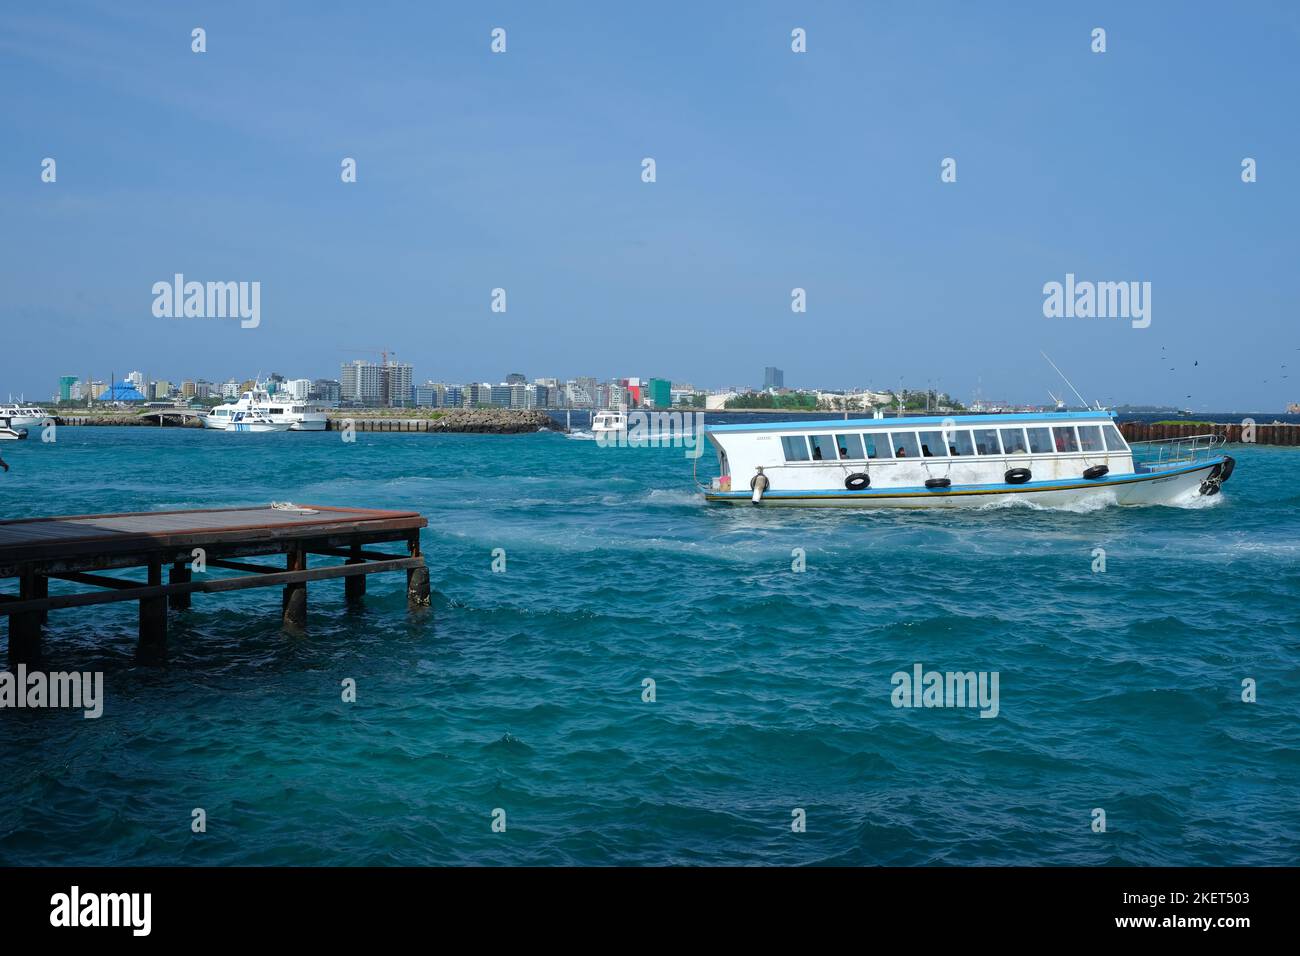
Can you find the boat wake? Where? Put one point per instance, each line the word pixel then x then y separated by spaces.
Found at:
pixel 1082 506
pixel 580 436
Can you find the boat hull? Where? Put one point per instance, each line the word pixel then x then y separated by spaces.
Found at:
pixel 257 427
pixel 1171 486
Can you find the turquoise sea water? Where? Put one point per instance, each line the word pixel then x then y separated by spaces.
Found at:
pixel 522 690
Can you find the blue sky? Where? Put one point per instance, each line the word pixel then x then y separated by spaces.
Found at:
pixel 775 170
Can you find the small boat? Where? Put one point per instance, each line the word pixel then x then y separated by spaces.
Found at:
pixel 254 422
pixel 609 422
pixel 24 416
pixel 296 415
pixel 8 432
pixel 1049 458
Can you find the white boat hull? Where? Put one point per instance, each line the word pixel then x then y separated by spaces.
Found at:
pixel 257 427
pixel 1175 486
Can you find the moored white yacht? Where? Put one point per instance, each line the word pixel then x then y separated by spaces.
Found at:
pixel 8 432
pixel 294 415
pixel 24 416
pixel 1047 458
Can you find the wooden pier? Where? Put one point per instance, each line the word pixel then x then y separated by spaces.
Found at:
pixel 190 545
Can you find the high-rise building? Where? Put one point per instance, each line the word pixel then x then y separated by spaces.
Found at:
pixel 773 377
pixel 67 383
pixel 430 395
pixel 584 392
pixel 362 383
pixel 324 391
pixel 397 384
pixel 516 378
pixel 297 388
pixel 659 393
pixel 477 395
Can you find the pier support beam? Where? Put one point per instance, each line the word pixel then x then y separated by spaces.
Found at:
pixel 152 646
pixel 41 589
pixel 180 574
pixel 295 595
pixel 25 628
pixel 354 588
pixel 417 579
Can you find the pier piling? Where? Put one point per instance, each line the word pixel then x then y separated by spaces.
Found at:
pixel 152 644
pixel 354 588
pixel 180 574
pixel 417 577
pixel 295 593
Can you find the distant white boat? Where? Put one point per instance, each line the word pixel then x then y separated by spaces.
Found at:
pixel 294 415
pixel 1053 459
pixel 24 416
pixel 609 422
pixel 8 432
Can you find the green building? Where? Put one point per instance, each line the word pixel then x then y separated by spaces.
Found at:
pixel 66 382
pixel 659 393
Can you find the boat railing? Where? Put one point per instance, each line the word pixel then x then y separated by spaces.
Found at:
pixel 1174 452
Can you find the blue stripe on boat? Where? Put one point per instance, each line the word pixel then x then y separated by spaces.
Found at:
pixel 860 424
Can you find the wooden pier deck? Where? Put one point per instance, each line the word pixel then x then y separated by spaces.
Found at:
pixel 190 545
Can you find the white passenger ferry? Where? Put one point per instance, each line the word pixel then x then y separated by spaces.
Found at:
pixel 257 404
pixel 1052 459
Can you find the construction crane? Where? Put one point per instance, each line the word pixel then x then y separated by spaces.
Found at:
pixel 372 349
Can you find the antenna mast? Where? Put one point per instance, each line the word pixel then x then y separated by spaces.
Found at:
pixel 1065 380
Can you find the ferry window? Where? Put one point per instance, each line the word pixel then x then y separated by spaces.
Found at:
pixel 1090 437
pixel 1040 441
pixel 878 446
pixel 932 445
pixel 905 445
pixel 959 442
pixel 986 441
pixel 1114 440
pixel 850 446
pixel 795 448
pixel 823 448
pixel 1013 441
pixel 1064 438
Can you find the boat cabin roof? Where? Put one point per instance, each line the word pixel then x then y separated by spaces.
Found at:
pixel 908 421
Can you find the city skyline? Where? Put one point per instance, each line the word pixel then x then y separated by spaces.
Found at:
pixel 523 172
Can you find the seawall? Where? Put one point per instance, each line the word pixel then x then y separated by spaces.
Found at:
pixel 1280 434
pixel 492 421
